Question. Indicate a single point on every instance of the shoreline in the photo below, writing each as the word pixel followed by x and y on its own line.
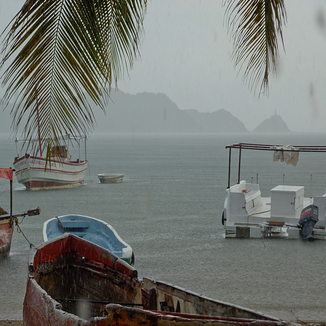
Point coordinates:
pixel 298 322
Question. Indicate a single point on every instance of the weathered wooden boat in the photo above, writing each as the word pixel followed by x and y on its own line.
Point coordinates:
pixel 7 219
pixel 75 282
pixel 6 232
pixel 286 213
pixel 90 229
pixel 110 177
pixel 36 173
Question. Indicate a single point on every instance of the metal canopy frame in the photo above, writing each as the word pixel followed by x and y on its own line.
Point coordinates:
pixel 68 138
pixel 271 148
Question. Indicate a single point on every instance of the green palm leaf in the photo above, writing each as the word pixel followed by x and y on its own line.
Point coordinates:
pixel 256 25
pixel 61 56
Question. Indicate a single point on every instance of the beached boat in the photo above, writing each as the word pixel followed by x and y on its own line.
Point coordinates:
pixel 7 219
pixel 286 213
pixel 75 282
pixel 90 229
pixel 35 173
pixel 6 232
pixel 110 177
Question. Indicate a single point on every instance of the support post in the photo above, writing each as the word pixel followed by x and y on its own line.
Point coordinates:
pixel 10 198
pixel 239 166
pixel 229 174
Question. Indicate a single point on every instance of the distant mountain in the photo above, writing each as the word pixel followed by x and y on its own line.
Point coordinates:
pixel 274 124
pixel 156 113
pixel 152 113
pixel 217 121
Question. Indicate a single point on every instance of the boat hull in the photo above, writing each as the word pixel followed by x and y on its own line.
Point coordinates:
pixel 283 214
pixel 35 173
pixel 110 178
pixel 6 232
pixel 74 282
pixel 248 215
pixel 90 229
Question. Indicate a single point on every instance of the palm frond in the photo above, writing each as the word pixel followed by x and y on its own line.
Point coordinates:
pixel 60 56
pixel 256 26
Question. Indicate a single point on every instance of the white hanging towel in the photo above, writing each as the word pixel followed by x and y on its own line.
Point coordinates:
pixel 287 154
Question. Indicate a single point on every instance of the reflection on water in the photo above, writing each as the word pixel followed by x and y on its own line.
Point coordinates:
pixel 169 210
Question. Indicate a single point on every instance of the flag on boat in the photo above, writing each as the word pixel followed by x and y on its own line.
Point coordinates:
pixel 6 173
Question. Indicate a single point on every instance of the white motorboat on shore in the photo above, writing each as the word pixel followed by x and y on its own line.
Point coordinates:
pixel 286 213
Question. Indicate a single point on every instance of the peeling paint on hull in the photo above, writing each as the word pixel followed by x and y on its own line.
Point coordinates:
pixel 6 232
pixel 74 282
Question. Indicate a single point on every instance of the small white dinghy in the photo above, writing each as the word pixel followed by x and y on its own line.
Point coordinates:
pixel 110 178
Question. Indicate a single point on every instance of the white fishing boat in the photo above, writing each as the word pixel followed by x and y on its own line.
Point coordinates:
pixel 286 213
pixel 110 177
pixel 61 171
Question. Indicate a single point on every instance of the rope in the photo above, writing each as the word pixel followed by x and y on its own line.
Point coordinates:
pixel 2 192
pixel 262 236
pixel 98 302
pixel 89 172
pixel 19 230
pixel 259 213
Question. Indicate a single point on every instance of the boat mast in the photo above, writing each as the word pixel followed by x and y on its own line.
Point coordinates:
pixel 85 148
pixel 10 197
pixel 38 127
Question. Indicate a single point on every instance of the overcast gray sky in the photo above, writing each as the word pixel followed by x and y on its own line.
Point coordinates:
pixel 186 54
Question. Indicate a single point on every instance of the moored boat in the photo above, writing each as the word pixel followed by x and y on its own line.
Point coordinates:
pixel 286 213
pixel 110 177
pixel 7 219
pixel 61 171
pixel 90 229
pixel 75 282
pixel 6 232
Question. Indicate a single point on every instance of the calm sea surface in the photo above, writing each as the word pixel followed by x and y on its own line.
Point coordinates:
pixel 169 210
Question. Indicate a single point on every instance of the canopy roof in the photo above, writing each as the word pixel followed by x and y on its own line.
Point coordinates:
pixel 268 147
pixel 265 147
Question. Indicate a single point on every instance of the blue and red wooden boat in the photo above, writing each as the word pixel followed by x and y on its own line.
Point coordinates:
pixel 90 229
pixel 76 282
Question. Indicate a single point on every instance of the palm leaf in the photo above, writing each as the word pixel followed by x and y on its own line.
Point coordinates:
pixel 61 56
pixel 256 25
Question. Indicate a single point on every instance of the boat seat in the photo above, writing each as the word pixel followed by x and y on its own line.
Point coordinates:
pixel 75 226
pixel 113 244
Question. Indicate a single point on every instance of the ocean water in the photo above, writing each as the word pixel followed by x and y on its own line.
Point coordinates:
pixel 169 210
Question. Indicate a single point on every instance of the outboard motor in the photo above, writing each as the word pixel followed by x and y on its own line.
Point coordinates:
pixel 308 219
